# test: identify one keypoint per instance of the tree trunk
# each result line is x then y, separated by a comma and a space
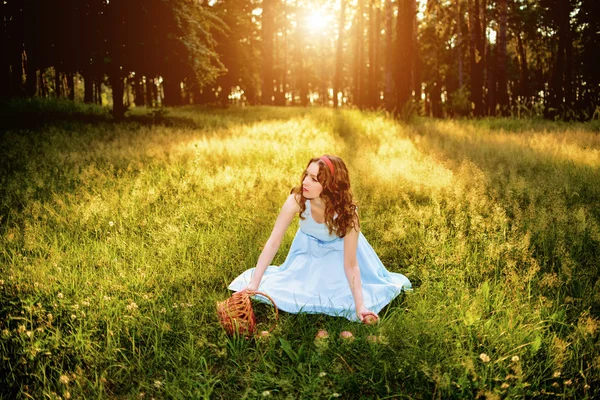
4, 65
138, 91
405, 54
150, 94
339, 57
502, 89
459, 44
389, 56
476, 53
557, 84
373, 51
71, 85
267, 50
88, 86
492, 95
116, 83
568, 80
358, 56
523, 70
172, 90
57, 82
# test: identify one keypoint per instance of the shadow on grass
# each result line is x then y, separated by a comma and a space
551, 198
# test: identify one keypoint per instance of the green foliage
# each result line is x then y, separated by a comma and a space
116, 240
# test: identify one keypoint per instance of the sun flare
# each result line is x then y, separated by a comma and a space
316, 21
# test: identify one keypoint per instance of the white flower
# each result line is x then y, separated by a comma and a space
132, 306
484, 357
514, 358
110, 223
157, 384
322, 374
60, 295
266, 393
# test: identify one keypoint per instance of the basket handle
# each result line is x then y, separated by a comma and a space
253, 292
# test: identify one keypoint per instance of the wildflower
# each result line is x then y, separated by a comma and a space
266, 393
64, 379
586, 386
50, 317
336, 395
67, 395
132, 306
73, 316
163, 310
555, 384
60, 295
505, 385
85, 303
5, 333
322, 374
484, 357
21, 329
556, 374
111, 224
514, 358
1, 282
568, 383
29, 333
106, 298
346, 335
157, 384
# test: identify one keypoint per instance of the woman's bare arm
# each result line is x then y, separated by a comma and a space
288, 211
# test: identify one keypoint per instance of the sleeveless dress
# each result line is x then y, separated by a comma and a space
312, 277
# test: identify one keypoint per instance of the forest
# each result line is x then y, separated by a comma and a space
439, 58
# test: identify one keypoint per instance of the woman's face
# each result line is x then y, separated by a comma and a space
311, 187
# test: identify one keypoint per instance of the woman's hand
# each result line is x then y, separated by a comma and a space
251, 287
362, 312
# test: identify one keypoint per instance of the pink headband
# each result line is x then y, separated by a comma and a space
327, 161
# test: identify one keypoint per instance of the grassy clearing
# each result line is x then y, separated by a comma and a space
116, 240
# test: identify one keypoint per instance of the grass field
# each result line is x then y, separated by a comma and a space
116, 240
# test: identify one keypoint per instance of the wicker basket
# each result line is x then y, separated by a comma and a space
236, 313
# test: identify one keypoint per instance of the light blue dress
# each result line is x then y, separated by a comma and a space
312, 277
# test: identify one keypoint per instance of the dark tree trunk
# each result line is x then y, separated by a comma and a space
523, 70
267, 50
150, 93
172, 90
88, 86
568, 79
459, 45
57, 82
492, 95
31, 74
405, 55
4, 65
339, 57
116, 83
71, 85
43, 85
389, 56
358, 56
502, 88
476, 53
138, 91
557, 84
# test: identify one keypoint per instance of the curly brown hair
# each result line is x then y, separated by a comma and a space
336, 195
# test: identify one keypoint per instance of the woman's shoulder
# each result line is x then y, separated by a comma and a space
292, 203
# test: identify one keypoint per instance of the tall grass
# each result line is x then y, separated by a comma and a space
118, 239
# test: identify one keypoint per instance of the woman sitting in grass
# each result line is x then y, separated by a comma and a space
330, 268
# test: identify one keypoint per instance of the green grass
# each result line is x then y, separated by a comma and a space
116, 241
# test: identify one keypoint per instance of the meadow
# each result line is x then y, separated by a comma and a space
117, 240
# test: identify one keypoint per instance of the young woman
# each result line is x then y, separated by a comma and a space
330, 268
